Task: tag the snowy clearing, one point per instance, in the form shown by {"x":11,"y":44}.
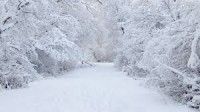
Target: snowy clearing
{"x":96,"y":89}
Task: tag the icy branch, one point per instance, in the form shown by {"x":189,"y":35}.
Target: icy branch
{"x":193,"y":61}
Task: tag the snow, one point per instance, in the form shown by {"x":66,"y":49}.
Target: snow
{"x":95,"y":89}
{"x":193,"y":61}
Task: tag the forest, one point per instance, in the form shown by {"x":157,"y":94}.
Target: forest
{"x":154,"y":40}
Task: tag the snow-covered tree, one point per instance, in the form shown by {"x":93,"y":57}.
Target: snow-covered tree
{"x":43,"y":38}
{"x":161,"y":41}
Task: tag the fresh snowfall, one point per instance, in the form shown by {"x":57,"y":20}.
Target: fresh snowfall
{"x":101,"y":88}
{"x":99,"y":55}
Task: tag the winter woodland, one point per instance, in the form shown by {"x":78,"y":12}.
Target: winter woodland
{"x":158,"y":40}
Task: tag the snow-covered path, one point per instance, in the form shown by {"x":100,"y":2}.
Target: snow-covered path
{"x":96,"y":89}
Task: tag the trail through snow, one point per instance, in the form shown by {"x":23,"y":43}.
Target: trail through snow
{"x":96,"y":89}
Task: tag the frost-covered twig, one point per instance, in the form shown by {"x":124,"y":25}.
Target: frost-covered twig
{"x":173,"y":69}
{"x":185,"y":78}
{"x":194,"y":61}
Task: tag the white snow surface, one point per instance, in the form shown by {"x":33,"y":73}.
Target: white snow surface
{"x":95,"y":89}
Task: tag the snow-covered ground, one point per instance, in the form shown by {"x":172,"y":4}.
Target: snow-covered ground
{"x":96,"y":89}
